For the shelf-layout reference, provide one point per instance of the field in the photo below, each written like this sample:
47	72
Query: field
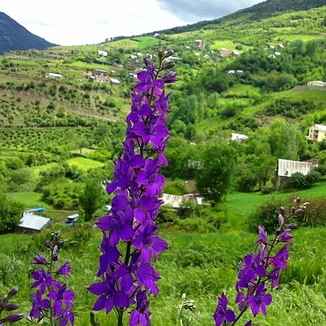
200	265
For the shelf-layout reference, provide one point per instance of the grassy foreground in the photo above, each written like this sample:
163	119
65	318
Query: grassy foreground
200	265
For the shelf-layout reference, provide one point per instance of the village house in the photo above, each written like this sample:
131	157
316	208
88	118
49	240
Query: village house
317	132
114	81
54	75
32	222
317	83
102	53
199	44
98	75
238	137
224	52
285	169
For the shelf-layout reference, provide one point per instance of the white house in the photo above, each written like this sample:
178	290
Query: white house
238	137
54	75
114	81
102	53
317	132
286	168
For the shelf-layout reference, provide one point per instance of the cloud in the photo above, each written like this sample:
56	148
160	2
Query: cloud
75	22
193	10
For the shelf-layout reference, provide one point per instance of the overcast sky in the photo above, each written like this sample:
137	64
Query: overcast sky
76	22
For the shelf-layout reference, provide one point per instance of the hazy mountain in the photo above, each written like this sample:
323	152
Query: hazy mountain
15	37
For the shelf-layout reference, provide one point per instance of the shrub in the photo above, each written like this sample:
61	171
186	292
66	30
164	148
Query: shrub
266	215
315	212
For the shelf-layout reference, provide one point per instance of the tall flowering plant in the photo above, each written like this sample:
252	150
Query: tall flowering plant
51	299
260	270
130	243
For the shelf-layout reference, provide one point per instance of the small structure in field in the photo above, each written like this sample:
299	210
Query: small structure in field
54	75
31	223
72	220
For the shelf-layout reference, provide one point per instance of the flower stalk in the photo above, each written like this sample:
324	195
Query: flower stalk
129	278
51	299
259	269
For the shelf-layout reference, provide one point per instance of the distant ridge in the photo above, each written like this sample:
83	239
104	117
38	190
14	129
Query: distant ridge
258	11
14	37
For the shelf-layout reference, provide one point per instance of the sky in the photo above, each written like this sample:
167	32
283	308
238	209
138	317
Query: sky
76	22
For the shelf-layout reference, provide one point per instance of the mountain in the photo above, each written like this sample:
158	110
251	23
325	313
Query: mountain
14	37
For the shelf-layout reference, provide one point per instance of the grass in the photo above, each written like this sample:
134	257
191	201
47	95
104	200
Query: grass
200	265
29	199
244	203
84	163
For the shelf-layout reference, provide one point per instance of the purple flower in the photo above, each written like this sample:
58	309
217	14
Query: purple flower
64	270
140	316
148	242
262	236
249	272
39	306
222	313
114	291
40	260
281	257
285	236
259	300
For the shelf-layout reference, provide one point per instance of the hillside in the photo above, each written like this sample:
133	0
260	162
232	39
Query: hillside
243	76
14	37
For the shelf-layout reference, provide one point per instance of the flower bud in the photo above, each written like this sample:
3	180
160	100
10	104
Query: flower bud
299	211
169	77
169	53
13	318
3	301
160	54
11	306
291	226
169	65
280	219
282	211
183	297
12	292
278	231
147	61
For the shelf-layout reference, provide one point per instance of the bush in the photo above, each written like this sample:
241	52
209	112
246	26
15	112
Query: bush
300	181
10	213
315	214
266	215
194	224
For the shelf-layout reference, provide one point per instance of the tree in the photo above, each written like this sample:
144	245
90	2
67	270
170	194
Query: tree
92	198
10	213
214	179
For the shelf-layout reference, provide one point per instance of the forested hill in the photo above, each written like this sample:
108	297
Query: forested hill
272	7
14	37
259	11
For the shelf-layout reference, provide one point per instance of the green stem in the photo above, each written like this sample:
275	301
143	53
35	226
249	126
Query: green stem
120	316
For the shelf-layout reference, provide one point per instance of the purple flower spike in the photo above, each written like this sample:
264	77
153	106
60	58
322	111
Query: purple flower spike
128	276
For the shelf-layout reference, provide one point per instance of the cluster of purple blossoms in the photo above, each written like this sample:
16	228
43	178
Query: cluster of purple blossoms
6	306
52	299
128	279
258	269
